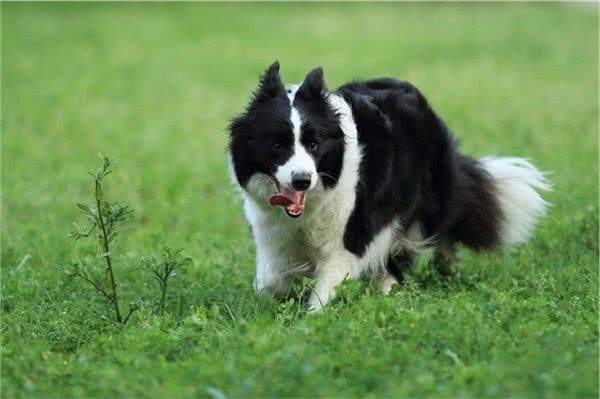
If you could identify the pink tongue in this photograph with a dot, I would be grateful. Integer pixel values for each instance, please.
(285, 197)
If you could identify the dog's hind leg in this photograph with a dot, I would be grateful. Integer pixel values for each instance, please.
(396, 267)
(446, 259)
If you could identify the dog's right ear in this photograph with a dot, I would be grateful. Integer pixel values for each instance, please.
(313, 86)
(270, 83)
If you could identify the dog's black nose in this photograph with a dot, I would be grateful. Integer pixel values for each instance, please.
(301, 181)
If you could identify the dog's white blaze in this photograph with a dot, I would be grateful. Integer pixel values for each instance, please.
(516, 180)
(301, 161)
(291, 92)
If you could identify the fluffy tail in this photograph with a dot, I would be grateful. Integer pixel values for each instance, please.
(516, 182)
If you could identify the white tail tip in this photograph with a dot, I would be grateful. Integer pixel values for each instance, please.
(518, 182)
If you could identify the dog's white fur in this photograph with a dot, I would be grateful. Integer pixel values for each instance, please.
(516, 180)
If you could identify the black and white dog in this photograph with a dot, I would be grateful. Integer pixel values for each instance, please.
(342, 184)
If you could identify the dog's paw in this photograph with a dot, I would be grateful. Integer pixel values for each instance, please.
(314, 304)
(387, 285)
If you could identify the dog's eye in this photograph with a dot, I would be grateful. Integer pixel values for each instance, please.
(313, 145)
(276, 146)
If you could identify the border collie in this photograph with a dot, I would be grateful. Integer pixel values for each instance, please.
(354, 182)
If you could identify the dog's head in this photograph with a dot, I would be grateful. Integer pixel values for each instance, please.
(288, 142)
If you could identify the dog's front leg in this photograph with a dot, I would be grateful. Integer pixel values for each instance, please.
(269, 279)
(329, 274)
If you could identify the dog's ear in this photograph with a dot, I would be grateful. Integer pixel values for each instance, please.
(270, 83)
(313, 85)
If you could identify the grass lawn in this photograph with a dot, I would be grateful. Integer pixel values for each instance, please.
(155, 84)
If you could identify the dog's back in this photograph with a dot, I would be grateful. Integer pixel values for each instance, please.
(412, 169)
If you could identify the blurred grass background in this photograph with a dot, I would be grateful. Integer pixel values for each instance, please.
(155, 85)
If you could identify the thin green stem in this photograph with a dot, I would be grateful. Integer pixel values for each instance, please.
(163, 296)
(129, 315)
(96, 286)
(107, 253)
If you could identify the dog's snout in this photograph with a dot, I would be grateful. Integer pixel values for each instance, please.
(301, 181)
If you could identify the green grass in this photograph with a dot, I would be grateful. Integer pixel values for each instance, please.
(155, 84)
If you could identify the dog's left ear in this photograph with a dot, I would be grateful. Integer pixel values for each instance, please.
(270, 83)
(313, 86)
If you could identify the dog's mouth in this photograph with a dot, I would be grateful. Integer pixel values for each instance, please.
(292, 201)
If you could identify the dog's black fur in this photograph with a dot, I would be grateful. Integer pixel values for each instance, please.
(411, 168)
